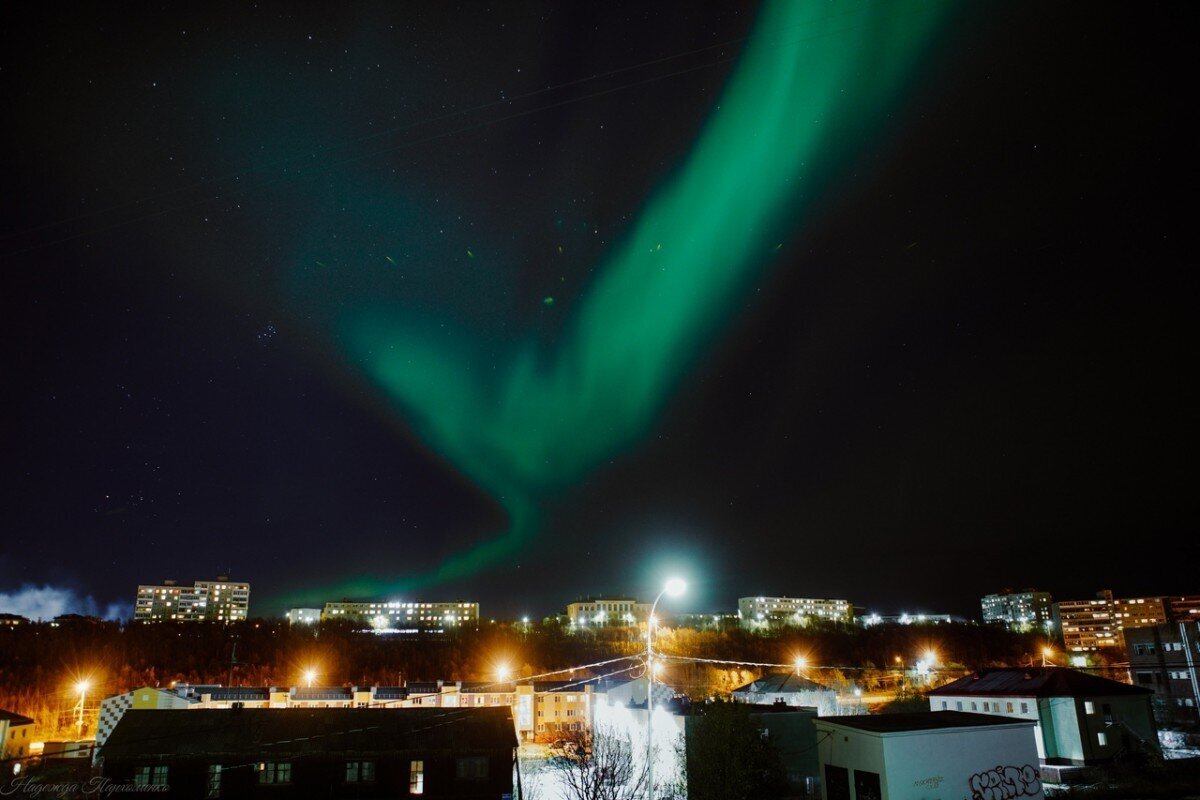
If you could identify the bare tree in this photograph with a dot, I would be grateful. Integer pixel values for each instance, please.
(599, 766)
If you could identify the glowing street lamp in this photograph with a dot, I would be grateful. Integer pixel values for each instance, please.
(801, 663)
(81, 687)
(1046, 653)
(503, 672)
(674, 587)
(310, 676)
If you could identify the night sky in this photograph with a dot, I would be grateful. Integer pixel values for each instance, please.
(955, 360)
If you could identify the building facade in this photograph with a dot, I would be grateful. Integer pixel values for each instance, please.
(403, 617)
(1101, 622)
(1078, 718)
(1165, 659)
(760, 612)
(1182, 608)
(607, 611)
(322, 752)
(219, 600)
(927, 754)
(303, 616)
(16, 734)
(1021, 611)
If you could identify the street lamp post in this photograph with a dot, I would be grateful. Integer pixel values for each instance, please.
(674, 588)
(82, 688)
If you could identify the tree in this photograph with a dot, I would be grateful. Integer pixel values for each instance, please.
(599, 766)
(730, 758)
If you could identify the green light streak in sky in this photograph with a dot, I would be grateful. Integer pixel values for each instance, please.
(814, 81)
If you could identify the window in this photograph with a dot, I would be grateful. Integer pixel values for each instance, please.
(987, 706)
(1008, 708)
(1089, 707)
(974, 706)
(150, 776)
(416, 777)
(837, 783)
(944, 705)
(1102, 738)
(958, 705)
(360, 771)
(1024, 708)
(275, 772)
(866, 785)
(1145, 677)
(474, 768)
(213, 785)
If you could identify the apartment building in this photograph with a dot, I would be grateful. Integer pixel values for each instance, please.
(1021, 611)
(403, 617)
(1165, 659)
(760, 612)
(607, 611)
(219, 600)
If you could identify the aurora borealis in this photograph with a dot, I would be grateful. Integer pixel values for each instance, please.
(813, 82)
(519, 302)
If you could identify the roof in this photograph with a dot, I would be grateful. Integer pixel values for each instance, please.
(310, 693)
(782, 683)
(1036, 682)
(14, 719)
(921, 721)
(257, 733)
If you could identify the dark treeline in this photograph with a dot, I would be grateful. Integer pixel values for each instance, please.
(40, 663)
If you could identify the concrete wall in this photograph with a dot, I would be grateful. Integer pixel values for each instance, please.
(947, 764)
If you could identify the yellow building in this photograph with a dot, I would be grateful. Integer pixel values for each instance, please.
(16, 732)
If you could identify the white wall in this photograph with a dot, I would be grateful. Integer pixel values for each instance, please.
(988, 763)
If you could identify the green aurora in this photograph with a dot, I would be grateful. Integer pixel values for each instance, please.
(815, 81)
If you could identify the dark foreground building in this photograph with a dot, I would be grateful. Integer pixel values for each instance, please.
(1166, 660)
(465, 754)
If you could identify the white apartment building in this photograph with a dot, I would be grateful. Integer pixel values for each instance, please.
(402, 616)
(1027, 610)
(219, 600)
(757, 612)
(612, 611)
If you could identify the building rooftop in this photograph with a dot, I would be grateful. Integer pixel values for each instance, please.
(1036, 682)
(264, 733)
(782, 683)
(921, 721)
(14, 719)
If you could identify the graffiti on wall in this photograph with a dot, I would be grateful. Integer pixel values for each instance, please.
(1004, 783)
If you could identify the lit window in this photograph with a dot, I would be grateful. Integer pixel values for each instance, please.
(1102, 738)
(1089, 707)
(416, 777)
(275, 772)
(213, 787)
(360, 771)
(150, 776)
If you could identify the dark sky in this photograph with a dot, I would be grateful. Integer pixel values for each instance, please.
(967, 370)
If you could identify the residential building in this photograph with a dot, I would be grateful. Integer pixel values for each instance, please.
(16, 732)
(607, 611)
(1182, 608)
(867, 620)
(1164, 659)
(759, 612)
(12, 620)
(1022, 611)
(319, 752)
(303, 616)
(219, 600)
(398, 616)
(1088, 624)
(927, 754)
(789, 689)
(1101, 621)
(1078, 718)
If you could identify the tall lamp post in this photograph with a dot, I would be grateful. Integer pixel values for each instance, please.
(674, 588)
(82, 688)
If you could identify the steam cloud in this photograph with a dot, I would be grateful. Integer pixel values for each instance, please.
(47, 602)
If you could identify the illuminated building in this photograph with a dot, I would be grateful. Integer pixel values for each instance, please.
(303, 616)
(1101, 622)
(219, 600)
(15, 731)
(756, 612)
(1026, 610)
(1078, 718)
(400, 616)
(607, 611)
(1183, 607)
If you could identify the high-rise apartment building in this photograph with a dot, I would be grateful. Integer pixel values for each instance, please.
(755, 612)
(1102, 621)
(1026, 610)
(219, 600)
(607, 611)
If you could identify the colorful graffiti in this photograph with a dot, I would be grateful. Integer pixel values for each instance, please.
(1003, 783)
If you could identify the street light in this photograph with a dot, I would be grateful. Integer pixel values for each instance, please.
(801, 663)
(1046, 653)
(503, 672)
(81, 687)
(310, 675)
(674, 587)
